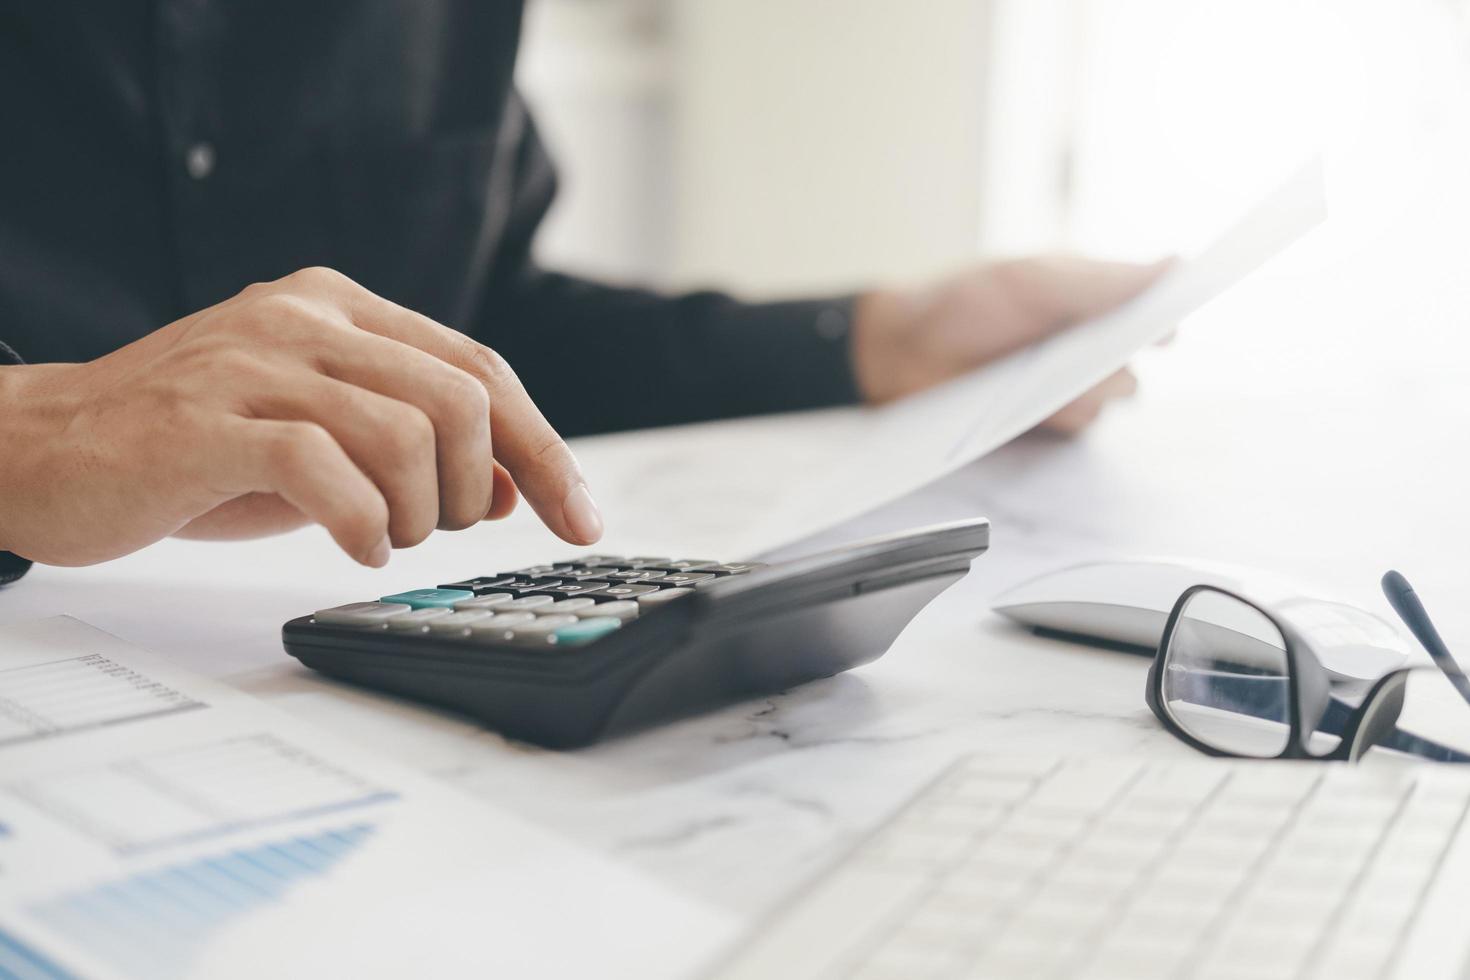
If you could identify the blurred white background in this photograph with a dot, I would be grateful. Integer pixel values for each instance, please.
(785, 146)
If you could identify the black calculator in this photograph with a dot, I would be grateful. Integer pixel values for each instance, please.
(567, 653)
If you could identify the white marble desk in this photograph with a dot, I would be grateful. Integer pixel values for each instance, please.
(1313, 422)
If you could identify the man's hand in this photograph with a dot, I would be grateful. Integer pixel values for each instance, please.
(308, 399)
(907, 340)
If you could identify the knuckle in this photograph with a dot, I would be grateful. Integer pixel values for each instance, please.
(485, 364)
(296, 446)
(319, 277)
(407, 434)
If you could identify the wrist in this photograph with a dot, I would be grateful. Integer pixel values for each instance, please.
(882, 330)
(29, 412)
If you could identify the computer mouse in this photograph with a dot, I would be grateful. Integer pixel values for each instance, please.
(1126, 604)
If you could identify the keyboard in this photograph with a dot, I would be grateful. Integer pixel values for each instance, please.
(565, 653)
(1021, 868)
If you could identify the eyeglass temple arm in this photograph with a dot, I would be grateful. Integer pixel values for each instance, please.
(1406, 603)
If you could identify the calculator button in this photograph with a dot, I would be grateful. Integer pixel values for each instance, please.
(586, 630)
(430, 598)
(582, 574)
(637, 575)
(643, 562)
(622, 609)
(520, 586)
(362, 613)
(529, 603)
(541, 571)
(457, 622)
(686, 578)
(417, 619)
(574, 607)
(662, 597)
(568, 589)
(615, 592)
(736, 567)
(687, 565)
(495, 626)
(597, 561)
(479, 586)
(543, 624)
(493, 602)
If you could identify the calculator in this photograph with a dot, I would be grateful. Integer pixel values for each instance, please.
(567, 653)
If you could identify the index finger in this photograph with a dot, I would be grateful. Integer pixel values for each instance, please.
(539, 461)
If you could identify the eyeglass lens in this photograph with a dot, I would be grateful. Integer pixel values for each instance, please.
(1225, 676)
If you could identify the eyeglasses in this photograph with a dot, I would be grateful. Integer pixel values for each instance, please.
(1232, 679)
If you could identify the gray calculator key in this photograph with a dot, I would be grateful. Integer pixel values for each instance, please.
(528, 603)
(458, 622)
(630, 591)
(688, 565)
(498, 624)
(360, 613)
(621, 609)
(736, 567)
(543, 624)
(637, 575)
(493, 602)
(655, 599)
(572, 589)
(573, 607)
(686, 578)
(417, 619)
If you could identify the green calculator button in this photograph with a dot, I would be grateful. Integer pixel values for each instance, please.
(430, 598)
(586, 630)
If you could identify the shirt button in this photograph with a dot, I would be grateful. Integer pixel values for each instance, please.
(199, 160)
(831, 324)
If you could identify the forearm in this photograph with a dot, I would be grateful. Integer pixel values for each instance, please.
(600, 358)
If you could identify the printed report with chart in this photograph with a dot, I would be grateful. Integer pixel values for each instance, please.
(156, 824)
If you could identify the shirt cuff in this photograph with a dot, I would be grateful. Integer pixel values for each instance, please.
(12, 567)
(799, 351)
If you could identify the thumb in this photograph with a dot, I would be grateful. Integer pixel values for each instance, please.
(1072, 289)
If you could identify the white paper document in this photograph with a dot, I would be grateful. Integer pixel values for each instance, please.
(156, 824)
(910, 443)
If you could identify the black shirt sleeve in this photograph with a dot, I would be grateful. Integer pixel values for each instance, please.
(597, 357)
(11, 566)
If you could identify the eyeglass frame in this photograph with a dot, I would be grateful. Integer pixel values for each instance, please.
(1309, 693)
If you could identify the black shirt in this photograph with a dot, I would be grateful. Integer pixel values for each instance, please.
(160, 156)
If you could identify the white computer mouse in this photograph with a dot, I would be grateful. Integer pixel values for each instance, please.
(1127, 603)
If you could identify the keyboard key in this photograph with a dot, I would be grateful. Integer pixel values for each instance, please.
(622, 609)
(430, 598)
(373, 614)
(528, 603)
(479, 586)
(586, 630)
(494, 602)
(567, 590)
(540, 631)
(653, 600)
(417, 619)
(457, 623)
(735, 567)
(609, 593)
(563, 607)
(682, 579)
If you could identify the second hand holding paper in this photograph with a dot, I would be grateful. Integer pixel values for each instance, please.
(915, 441)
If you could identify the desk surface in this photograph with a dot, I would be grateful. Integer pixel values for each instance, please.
(1312, 422)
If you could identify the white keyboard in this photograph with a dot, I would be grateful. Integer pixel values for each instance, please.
(1007, 868)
